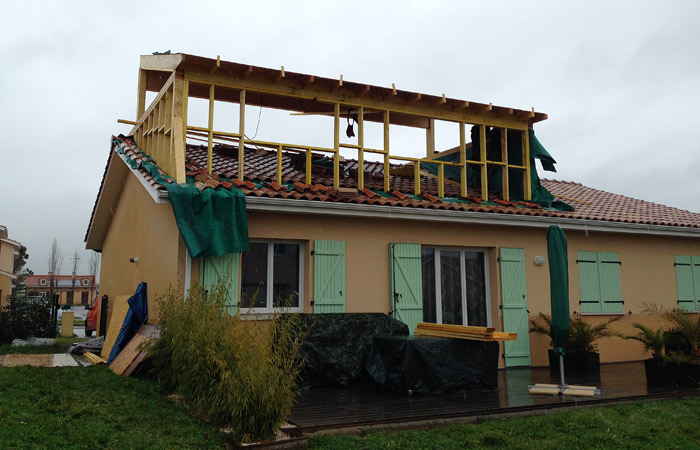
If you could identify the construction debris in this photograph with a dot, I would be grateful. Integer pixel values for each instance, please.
(486, 334)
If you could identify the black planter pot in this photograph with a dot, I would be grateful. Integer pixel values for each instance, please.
(586, 362)
(683, 374)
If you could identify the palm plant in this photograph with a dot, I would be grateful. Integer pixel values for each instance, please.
(683, 323)
(653, 340)
(582, 335)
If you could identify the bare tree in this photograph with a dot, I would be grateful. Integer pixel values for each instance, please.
(54, 262)
(93, 265)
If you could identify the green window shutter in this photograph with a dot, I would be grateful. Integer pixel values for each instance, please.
(227, 268)
(686, 282)
(514, 304)
(406, 284)
(610, 288)
(589, 282)
(329, 276)
(696, 281)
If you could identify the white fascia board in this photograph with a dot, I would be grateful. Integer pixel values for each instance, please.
(156, 195)
(477, 218)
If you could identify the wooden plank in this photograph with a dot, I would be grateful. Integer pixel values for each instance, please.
(93, 358)
(442, 326)
(128, 354)
(119, 310)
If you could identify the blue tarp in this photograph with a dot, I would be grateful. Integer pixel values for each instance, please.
(135, 317)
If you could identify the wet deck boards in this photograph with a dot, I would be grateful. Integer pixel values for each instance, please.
(362, 406)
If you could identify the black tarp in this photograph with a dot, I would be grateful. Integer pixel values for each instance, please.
(432, 366)
(338, 346)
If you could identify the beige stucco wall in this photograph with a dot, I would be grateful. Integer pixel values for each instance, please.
(647, 272)
(7, 260)
(147, 230)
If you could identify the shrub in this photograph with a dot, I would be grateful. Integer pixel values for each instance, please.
(22, 318)
(582, 335)
(238, 374)
(679, 342)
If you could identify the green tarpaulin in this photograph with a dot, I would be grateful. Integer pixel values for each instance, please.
(540, 194)
(559, 286)
(212, 222)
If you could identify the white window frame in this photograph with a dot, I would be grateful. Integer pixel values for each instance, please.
(438, 291)
(42, 282)
(269, 282)
(86, 282)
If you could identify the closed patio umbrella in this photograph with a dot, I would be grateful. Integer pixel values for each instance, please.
(559, 291)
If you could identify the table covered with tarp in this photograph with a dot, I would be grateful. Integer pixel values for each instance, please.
(404, 364)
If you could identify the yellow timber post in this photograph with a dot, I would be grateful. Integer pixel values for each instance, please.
(504, 159)
(387, 163)
(336, 146)
(484, 169)
(463, 159)
(210, 137)
(177, 131)
(241, 139)
(361, 149)
(527, 184)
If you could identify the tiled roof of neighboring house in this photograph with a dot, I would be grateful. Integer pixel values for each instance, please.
(260, 175)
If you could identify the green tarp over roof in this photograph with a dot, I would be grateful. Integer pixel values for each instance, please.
(540, 194)
(212, 222)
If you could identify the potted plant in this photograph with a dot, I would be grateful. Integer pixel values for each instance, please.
(581, 350)
(675, 350)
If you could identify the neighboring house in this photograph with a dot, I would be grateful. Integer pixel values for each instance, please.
(71, 289)
(8, 249)
(455, 236)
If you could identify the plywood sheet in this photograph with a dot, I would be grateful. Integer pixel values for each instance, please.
(45, 360)
(130, 357)
(127, 355)
(121, 306)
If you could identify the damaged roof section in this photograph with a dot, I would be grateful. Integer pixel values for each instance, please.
(590, 204)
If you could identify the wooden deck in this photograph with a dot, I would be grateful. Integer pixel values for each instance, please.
(328, 410)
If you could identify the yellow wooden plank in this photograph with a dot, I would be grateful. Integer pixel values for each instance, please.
(416, 177)
(241, 141)
(443, 326)
(387, 162)
(441, 180)
(279, 164)
(336, 146)
(361, 150)
(484, 169)
(210, 140)
(463, 159)
(430, 138)
(119, 310)
(526, 161)
(504, 159)
(128, 354)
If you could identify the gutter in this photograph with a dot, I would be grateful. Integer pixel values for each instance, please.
(477, 218)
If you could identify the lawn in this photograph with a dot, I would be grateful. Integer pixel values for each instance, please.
(91, 407)
(62, 344)
(672, 424)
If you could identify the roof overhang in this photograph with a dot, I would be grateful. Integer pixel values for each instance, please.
(476, 218)
(11, 242)
(8, 274)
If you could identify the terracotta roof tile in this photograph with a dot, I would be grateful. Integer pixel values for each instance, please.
(260, 166)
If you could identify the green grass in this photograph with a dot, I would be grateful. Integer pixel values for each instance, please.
(62, 344)
(91, 407)
(669, 424)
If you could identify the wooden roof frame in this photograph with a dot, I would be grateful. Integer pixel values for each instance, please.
(278, 88)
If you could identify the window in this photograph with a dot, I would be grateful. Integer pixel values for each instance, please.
(688, 282)
(42, 282)
(455, 286)
(86, 282)
(599, 283)
(271, 276)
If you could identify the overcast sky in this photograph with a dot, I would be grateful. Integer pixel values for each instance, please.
(620, 82)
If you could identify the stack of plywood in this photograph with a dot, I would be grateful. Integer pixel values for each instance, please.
(487, 334)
